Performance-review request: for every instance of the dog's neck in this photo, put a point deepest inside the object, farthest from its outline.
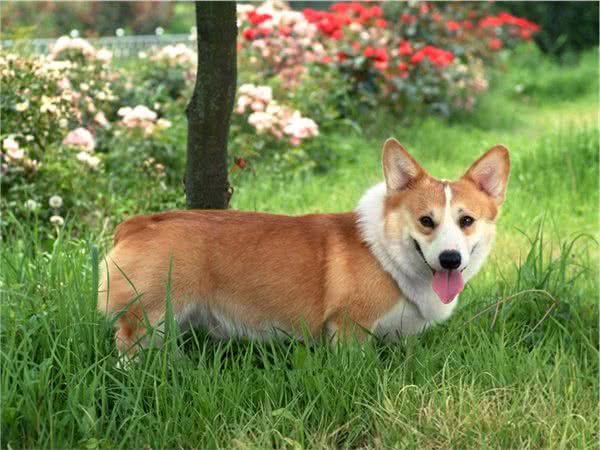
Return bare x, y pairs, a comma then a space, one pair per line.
405, 267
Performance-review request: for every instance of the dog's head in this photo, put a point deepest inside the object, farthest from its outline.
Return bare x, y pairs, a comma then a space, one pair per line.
444, 228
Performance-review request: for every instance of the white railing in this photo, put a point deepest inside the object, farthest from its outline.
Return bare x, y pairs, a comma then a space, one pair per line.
121, 47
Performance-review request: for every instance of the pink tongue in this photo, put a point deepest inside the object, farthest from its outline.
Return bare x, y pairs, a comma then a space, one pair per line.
447, 285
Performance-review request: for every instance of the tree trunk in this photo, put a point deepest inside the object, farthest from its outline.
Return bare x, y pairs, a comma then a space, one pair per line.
209, 109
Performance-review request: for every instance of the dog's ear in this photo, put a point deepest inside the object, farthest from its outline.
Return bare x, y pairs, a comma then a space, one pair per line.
490, 172
399, 168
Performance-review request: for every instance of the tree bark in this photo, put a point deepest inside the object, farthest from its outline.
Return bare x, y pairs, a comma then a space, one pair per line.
209, 110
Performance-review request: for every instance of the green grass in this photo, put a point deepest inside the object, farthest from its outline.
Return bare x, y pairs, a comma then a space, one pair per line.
523, 374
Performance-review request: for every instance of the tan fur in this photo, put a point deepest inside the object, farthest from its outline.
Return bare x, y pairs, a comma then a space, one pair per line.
308, 271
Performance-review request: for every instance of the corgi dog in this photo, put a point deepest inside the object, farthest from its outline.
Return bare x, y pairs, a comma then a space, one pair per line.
390, 268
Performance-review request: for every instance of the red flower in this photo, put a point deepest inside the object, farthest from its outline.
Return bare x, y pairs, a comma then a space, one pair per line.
452, 25
381, 55
405, 48
337, 34
402, 66
495, 44
417, 57
508, 19
341, 56
341, 7
490, 22
255, 19
240, 162
435, 16
326, 59
249, 34
376, 11
407, 18
355, 45
436, 56
381, 23
285, 31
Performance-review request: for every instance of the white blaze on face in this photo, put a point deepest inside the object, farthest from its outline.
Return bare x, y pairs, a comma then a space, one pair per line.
448, 236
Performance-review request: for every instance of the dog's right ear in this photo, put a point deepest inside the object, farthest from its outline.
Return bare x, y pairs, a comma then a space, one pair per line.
490, 172
399, 168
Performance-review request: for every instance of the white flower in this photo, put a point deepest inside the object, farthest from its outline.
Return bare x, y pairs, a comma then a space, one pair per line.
63, 123
84, 87
119, 32
83, 156
75, 43
9, 143
22, 106
93, 162
47, 105
57, 221
15, 155
13, 151
32, 205
104, 55
163, 123
55, 201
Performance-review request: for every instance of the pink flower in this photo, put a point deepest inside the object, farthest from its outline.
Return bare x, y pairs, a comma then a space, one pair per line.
64, 83
81, 137
100, 119
139, 117
299, 128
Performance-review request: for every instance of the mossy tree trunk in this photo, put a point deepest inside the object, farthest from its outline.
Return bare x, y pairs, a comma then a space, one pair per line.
209, 110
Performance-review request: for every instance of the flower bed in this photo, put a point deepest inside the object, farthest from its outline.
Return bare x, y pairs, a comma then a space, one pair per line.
75, 122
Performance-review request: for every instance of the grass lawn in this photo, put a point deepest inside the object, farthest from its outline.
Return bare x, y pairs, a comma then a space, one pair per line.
520, 374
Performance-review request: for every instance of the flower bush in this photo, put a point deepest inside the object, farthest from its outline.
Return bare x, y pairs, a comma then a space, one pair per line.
165, 74
77, 126
411, 56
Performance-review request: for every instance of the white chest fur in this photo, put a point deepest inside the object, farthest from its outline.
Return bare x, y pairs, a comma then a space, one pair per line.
402, 320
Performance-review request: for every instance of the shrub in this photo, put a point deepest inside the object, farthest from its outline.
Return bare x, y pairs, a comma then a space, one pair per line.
416, 56
565, 26
76, 126
165, 74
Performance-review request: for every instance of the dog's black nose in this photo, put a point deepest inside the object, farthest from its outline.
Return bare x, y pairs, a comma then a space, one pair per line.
450, 259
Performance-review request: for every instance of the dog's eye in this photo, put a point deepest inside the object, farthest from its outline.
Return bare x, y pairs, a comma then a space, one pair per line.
427, 222
466, 221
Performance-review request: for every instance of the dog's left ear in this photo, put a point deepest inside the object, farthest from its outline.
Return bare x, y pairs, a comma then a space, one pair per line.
490, 172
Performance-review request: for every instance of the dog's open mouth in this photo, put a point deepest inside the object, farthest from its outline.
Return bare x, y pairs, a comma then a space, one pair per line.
447, 284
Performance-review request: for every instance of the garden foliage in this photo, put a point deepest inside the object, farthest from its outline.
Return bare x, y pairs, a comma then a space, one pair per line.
77, 125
